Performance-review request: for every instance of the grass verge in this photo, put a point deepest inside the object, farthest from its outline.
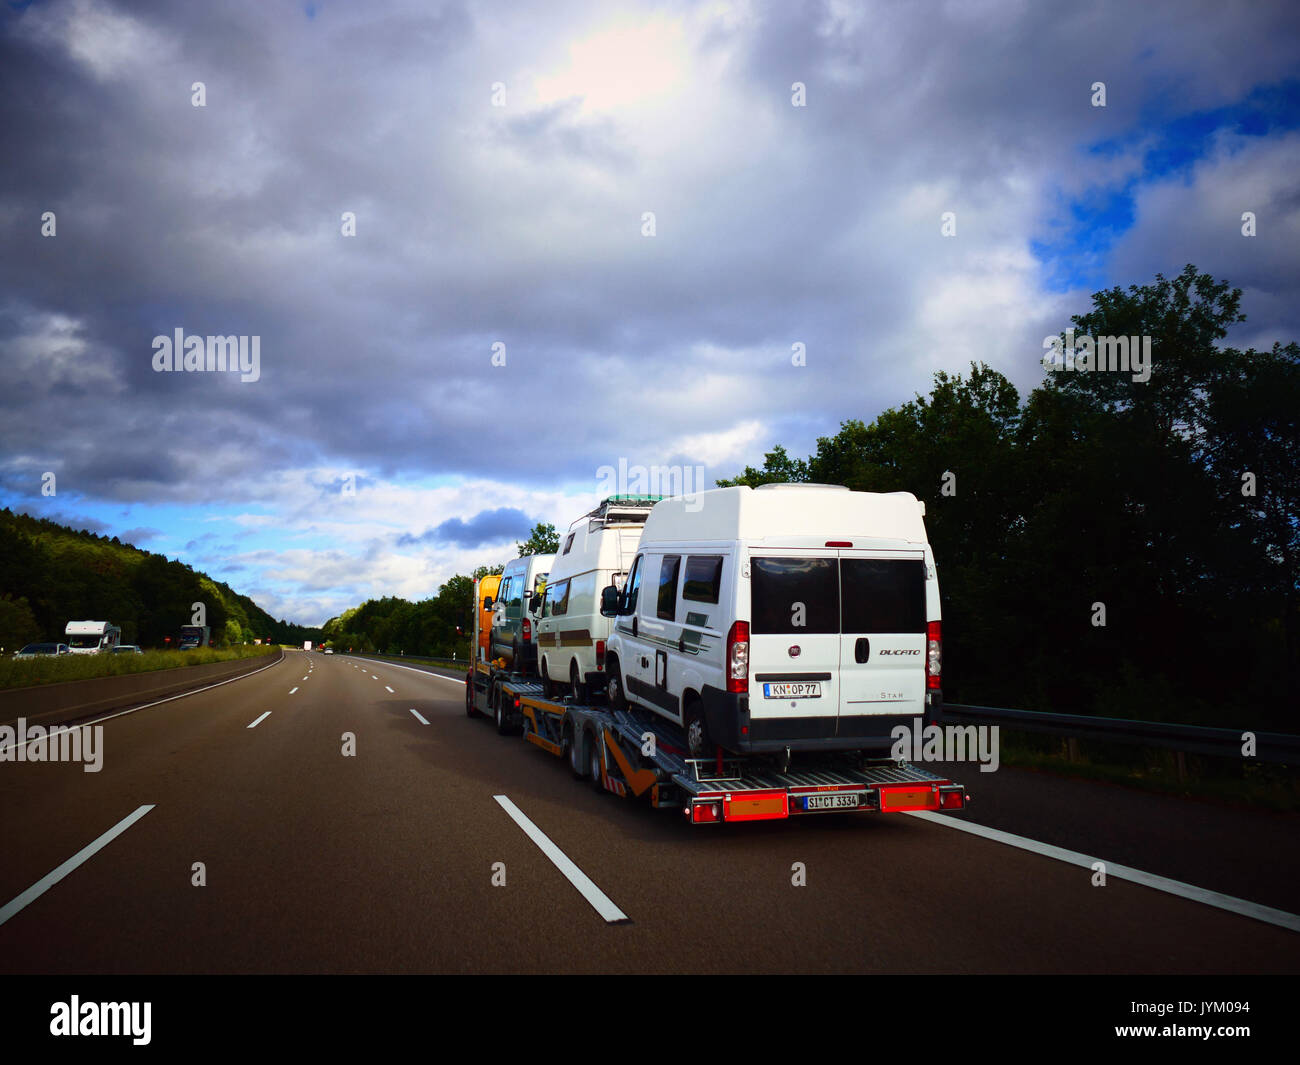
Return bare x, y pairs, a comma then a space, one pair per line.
29, 672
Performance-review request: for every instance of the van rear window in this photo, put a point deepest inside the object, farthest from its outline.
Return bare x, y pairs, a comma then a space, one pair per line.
787, 591
883, 595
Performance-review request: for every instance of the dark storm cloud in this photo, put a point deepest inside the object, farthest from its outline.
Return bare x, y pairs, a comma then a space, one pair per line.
775, 225
486, 527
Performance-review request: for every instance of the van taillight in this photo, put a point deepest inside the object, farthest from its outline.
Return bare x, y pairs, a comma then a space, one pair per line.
738, 657
934, 654
528, 629
600, 654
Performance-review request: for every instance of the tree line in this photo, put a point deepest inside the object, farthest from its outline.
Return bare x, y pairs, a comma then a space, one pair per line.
1107, 546
51, 574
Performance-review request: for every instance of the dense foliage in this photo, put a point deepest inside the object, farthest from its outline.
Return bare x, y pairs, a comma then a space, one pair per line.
1174, 502
50, 575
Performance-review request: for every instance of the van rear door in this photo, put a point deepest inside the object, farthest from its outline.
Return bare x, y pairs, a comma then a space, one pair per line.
882, 641
794, 637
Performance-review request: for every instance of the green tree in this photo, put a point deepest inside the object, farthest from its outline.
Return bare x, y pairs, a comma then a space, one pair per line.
543, 540
17, 623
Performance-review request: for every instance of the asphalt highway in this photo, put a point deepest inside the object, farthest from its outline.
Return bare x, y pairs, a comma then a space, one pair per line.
392, 858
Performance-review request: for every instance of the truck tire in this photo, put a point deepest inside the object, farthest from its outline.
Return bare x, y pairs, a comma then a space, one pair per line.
580, 693
548, 685
614, 689
593, 762
577, 756
470, 709
698, 742
500, 714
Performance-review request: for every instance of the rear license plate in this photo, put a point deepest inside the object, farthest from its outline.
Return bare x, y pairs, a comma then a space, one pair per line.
830, 802
793, 690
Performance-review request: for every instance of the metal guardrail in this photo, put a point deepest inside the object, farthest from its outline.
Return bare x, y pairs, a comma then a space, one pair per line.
1275, 747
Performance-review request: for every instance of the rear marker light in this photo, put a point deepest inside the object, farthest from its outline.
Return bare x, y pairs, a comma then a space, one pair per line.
738, 657
934, 655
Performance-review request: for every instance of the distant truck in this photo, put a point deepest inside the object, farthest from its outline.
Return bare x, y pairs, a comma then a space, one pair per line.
193, 637
306, 645
92, 637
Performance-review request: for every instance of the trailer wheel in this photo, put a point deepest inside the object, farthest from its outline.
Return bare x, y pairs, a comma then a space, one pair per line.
698, 742
580, 693
501, 716
593, 762
573, 742
614, 689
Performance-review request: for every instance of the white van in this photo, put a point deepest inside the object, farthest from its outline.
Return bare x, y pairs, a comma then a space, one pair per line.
92, 637
789, 617
571, 633
513, 638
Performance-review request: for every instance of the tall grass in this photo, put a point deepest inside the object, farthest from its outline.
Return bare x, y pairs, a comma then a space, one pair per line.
23, 673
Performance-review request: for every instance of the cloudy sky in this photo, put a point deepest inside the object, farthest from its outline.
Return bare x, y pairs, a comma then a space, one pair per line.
499, 162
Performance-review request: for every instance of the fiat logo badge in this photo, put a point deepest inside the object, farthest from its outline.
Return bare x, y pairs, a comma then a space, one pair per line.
794, 651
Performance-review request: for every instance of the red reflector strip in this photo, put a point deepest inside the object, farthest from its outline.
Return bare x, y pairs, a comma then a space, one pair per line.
901, 797
756, 806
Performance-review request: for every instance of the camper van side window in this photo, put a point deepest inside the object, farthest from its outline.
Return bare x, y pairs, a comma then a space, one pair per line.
557, 595
568, 543
668, 570
634, 584
703, 578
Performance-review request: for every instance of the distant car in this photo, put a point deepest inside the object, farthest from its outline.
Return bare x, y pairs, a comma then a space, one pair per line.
329, 650
43, 650
127, 649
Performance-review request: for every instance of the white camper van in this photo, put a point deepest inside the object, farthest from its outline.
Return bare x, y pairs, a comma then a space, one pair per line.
91, 637
571, 632
789, 617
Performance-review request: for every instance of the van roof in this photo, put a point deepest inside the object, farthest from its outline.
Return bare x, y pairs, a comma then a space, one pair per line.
774, 511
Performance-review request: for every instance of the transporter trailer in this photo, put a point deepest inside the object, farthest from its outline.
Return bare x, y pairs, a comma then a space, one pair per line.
634, 754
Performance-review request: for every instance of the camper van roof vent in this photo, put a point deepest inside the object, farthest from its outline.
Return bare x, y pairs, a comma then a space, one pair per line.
799, 484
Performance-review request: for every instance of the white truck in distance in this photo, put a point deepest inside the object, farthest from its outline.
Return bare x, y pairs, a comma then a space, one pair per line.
306, 645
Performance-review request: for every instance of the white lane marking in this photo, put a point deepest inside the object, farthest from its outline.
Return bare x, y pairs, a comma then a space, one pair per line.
419, 717
156, 702
48, 881
426, 673
373, 677
259, 720
390, 690
599, 900
304, 678
1123, 872
292, 690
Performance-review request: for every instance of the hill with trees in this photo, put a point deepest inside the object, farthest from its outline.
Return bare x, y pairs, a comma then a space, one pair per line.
51, 574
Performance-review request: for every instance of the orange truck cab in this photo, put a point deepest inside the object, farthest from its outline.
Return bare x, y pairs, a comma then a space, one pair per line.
485, 588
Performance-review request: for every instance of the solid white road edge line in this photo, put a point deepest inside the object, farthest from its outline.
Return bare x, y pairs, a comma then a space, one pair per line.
419, 716
46, 882
599, 900
259, 720
1123, 872
423, 672
156, 702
